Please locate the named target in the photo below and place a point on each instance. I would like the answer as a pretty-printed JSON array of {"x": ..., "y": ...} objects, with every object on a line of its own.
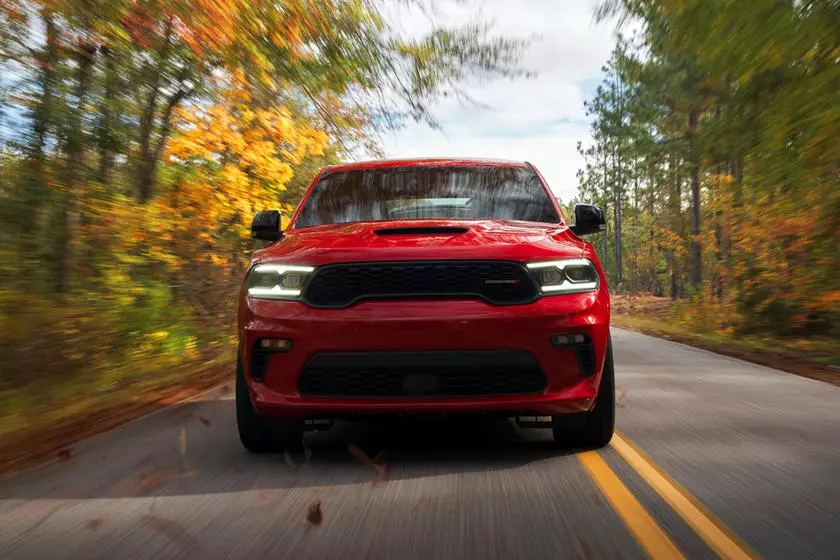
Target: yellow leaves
[
  {"x": 236, "y": 158},
  {"x": 285, "y": 219},
  {"x": 235, "y": 177},
  {"x": 262, "y": 143},
  {"x": 182, "y": 447},
  {"x": 279, "y": 40}
]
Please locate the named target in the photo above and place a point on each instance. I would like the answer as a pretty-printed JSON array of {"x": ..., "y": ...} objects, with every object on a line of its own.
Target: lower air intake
[{"x": 421, "y": 374}]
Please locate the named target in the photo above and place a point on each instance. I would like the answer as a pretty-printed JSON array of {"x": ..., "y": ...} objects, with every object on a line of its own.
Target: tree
[
  {"x": 731, "y": 115},
  {"x": 140, "y": 137}
]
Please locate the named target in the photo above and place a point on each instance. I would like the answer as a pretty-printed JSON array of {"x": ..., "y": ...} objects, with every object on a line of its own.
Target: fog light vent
[
  {"x": 583, "y": 348},
  {"x": 261, "y": 355},
  {"x": 275, "y": 344},
  {"x": 567, "y": 339}
]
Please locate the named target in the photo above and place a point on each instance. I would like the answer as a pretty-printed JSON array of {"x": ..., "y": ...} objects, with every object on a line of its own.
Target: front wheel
[
  {"x": 258, "y": 434},
  {"x": 593, "y": 429}
]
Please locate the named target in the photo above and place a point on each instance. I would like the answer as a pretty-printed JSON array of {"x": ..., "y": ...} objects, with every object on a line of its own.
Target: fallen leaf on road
[
  {"x": 622, "y": 396},
  {"x": 381, "y": 475},
  {"x": 204, "y": 420},
  {"x": 288, "y": 459},
  {"x": 182, "y": 446},
  {"x": 95, "y": 523},
  {"x": 361, "y": 456},
  {"x": 173, "y": 530},
  {"x": 315, "y": 515},
  {"x": 64, "y": 455},
  {"x": 381, "y": 470},
  {"x": 150, "y": 482}
]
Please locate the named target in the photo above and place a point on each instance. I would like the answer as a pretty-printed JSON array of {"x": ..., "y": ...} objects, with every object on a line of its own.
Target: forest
[
  {"x": 139, "y": 139},
  {"x": 715, "y": 152}
]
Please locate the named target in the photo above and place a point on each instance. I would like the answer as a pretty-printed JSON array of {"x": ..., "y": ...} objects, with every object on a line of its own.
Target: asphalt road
[{"x": 715, "y": 458}]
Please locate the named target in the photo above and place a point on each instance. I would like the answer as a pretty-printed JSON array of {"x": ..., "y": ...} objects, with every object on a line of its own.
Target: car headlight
[
  {"x": 566, "y": 276},
  {"x": 277, "y": 281}
]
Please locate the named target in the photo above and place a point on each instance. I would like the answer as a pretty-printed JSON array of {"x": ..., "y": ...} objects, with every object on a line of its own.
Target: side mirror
[
  {"x": 266, "y": 225},
  {"x": 588, "y": 219}
]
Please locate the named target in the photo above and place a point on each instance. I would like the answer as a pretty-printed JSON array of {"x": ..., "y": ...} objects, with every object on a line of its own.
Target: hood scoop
[{"x": 422, "y": 230}]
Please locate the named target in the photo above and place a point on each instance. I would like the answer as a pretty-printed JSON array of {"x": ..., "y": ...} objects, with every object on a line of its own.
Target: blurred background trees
[
  {"x": 139, "y": 138},
  {"x": 716, "y": 150}
]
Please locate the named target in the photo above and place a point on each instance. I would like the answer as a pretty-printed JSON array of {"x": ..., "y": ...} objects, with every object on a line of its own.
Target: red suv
[{"x": 431, "y": 286}]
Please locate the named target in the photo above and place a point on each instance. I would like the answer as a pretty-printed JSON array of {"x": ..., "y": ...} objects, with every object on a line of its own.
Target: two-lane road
[{"x": 714, "y": 458}]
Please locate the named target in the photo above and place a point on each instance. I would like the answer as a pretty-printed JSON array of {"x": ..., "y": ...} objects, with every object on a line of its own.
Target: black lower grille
[
  {"x": 498, "y": 282},
  {"x": 586, "y": 358},
  {"x": 421, "y": 374},
  {"x": 259, "y": 363}
]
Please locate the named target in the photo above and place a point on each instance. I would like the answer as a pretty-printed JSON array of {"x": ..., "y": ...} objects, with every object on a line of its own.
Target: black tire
[
  {"x": 593, "y": 429},
  {"x": 258, "y": 434}
]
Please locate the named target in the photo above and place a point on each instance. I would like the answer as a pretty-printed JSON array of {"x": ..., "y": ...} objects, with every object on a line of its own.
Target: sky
[{"x": 538, "y": 119}]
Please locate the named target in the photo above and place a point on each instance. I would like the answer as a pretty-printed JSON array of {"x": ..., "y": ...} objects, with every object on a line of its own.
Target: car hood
[{"x": 423, "y": 240}]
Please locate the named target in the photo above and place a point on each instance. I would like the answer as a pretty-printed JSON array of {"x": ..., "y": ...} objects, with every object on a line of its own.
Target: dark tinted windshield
[{"x": 414, "y": 192}]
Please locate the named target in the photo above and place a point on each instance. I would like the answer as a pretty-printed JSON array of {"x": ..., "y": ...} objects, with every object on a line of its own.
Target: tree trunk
[
  {"x": 636, "y": 191},
  {"x": 675, "y": 205},
  {"x": 604, "y": 262},
  {"x": 75, "y": 167},
  {"x": 719, "y": 256},
  {"x": 605, "y": 169},
  {"x": 106, "y": 137},
  {"x": 43, "y": 122},
  {"x": 651, "y": 206},
  {"x": 617, "y": 201},
  {"x": 147, "y": 167},
  {"x": 696, "y": 249}
]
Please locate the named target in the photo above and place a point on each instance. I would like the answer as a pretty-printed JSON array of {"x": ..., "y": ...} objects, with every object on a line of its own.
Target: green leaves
[{"x": 762, "y": 79}]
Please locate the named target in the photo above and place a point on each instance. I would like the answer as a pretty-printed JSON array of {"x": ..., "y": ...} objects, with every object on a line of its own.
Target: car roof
[{"x": 421, "y": 162}]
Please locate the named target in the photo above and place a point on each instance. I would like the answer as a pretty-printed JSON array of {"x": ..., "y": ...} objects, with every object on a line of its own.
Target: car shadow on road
[{"x": 194, "y": 449}]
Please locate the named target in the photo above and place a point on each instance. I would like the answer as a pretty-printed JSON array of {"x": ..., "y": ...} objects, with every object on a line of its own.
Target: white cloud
[{"x": 540, "y": 120}]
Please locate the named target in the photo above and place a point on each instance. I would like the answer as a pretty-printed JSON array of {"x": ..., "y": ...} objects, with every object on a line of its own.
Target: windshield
[{"x": 428, "y": 192}]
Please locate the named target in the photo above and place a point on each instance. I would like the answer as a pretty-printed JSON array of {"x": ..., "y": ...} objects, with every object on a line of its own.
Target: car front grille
[
  {"x": 497, "y": 282},
  {"x": 421, "y": 374}
]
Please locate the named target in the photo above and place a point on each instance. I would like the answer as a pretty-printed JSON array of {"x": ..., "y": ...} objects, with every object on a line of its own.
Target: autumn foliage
[
  {"x": 715, "y": 150},
  {"x": 138, "y": 139}
]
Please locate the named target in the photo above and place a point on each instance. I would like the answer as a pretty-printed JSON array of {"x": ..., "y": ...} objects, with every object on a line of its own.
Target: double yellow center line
[{"x": 647, "y": 532}]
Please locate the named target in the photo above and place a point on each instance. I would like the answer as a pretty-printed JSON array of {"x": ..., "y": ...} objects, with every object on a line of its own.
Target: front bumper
[{"x": 425, "y": 326}]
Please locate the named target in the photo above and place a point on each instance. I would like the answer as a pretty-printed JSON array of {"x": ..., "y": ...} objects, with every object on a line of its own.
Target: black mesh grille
[
  {"x": 421, "y": 374},
  {"x": 259, "y": 363},
  {"x": 498, "y": 282},
  {"x": 586, "y": 358}
]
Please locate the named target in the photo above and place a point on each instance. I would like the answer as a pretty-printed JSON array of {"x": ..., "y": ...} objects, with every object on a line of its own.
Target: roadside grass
[
  {"x": 46, "y": 415},
  {"x": 815, "y": 357}
]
